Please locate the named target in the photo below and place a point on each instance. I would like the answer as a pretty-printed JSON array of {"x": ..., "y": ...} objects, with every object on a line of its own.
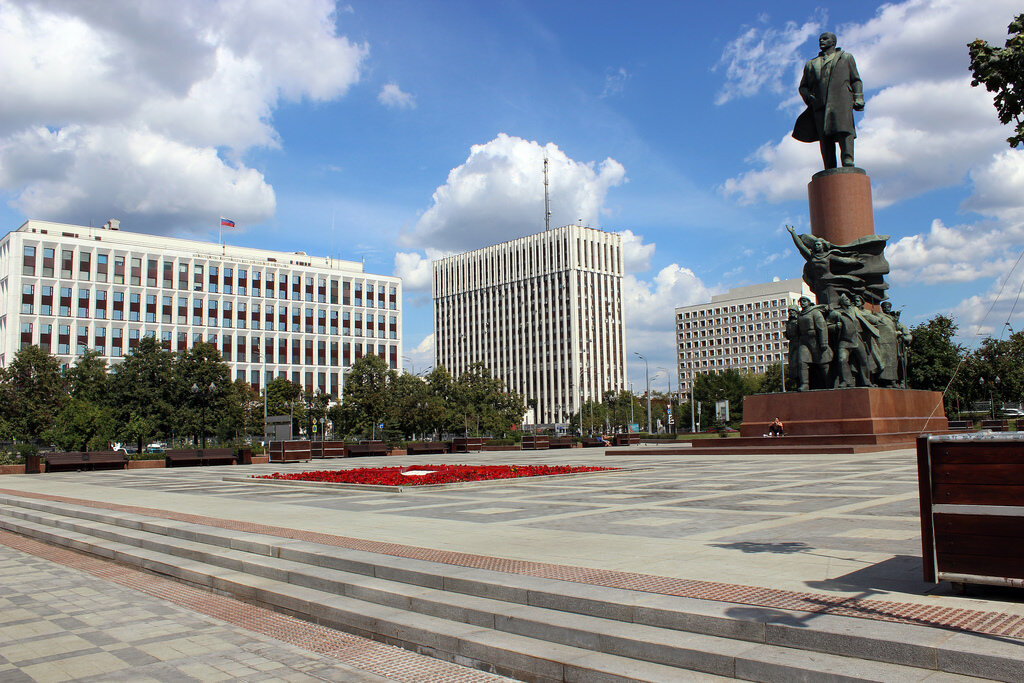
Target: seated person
[{"x": 776, "y": 428}]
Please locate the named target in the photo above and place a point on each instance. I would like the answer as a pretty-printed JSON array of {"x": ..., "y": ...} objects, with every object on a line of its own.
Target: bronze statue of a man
[
  {"x": 831, "y": 88},
  {"x": 812, "y": 350}
]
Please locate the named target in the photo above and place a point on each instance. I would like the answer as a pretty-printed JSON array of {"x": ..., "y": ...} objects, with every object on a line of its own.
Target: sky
[{"x": 396, "y": 132}]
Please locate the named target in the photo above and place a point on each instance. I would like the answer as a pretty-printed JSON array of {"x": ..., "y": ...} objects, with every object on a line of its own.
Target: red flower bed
[{"x": 419, "y": 475}]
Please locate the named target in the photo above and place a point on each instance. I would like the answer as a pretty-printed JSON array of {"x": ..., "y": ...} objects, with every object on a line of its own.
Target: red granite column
[{"x": 840, "y": 203}]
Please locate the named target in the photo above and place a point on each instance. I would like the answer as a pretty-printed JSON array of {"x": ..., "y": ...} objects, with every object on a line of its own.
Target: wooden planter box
[
  {"x": 462, "y": 444},
  {"x": 290, "y": 451},
  {"x": 972, "y": 508},
  {"x": 535, "y": 442},
  {"x": 145, "y": 464}
]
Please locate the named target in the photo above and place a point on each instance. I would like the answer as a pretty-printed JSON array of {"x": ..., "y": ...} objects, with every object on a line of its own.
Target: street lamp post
[
  {"x": 196, "y": 392},
  {"x": 670, "y": 416},
  {"x": 647, "y": 375},
  {"x": 992, "y": 386}
]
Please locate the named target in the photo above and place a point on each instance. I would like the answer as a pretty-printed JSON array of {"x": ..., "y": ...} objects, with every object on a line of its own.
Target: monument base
[
  {"x": 866, "y": 414},
  {"x": 836, "y": 421},
  {"x": 840, "y": 205}
]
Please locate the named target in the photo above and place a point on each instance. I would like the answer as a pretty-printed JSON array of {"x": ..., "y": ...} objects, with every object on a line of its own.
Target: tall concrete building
[
  {"x": 543, "y": 313},
  {"x": 742, "y": 329},
  {"x": 68, "y": 288}
]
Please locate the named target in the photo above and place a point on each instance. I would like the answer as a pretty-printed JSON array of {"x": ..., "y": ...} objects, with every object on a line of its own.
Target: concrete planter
[
  {"x": 397, "y": 451},
  {"x": 12, "y": 469},
  {"x": 145, "y": 464}
]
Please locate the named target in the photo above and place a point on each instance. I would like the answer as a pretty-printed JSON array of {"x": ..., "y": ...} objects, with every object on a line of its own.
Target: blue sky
[{"x": 417, "y": 129}]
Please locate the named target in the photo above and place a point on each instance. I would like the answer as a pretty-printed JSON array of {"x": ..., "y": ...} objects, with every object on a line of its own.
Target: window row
[
  {"x": 213, "y": 279},
  {"x": 116, "y": 341},
  {"x": 214, "y": 313}
]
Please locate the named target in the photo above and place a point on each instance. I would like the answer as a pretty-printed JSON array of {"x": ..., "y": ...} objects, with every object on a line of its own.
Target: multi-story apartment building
[
  {"x": 741, "y": 329},
  {"x": 68, "y": 288},
  {"x": 543, "y": 313}
]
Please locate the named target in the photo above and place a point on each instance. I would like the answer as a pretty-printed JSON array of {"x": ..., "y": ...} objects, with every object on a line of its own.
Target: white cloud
[
  {"x": 763, "y": 58},
  {"x": 615, "y": 82},
  {"x": 498, "y": 195},
  {"x": 636, "y": 256},
  {"x": 924, "y": 127},
  {"x": 416, "y": 270},
  {"x": 649, "y": 309},
  {"x": 422, "y": 355},
  {"x": 393, "y": 97},
  {"x": 961, "y": 253},
  {"x": 162, "y": 98}
]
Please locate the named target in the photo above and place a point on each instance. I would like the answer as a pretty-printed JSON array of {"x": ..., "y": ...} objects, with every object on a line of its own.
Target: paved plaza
[{"x": 756, "y": 529}]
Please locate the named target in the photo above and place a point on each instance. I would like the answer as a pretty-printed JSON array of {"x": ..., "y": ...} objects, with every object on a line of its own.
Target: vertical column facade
[{"x": 543, "y": 313}]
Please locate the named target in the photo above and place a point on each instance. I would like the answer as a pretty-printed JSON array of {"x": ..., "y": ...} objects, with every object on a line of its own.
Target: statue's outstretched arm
[{"x": 800, "y": 246}]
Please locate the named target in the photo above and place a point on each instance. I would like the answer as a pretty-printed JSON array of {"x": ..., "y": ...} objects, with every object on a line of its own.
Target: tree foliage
[
  {"x": 1001, "y": 71},
  {"x": 35, "y": 391}
]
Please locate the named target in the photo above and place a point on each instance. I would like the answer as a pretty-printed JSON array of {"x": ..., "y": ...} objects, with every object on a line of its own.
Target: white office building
[
  {"x": 543, "y": 313},
  {"x": 68, "y": 288},
  {"x": 742, "y": 329}
]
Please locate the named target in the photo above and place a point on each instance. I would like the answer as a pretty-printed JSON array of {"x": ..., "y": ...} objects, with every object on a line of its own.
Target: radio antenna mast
[{"x": 547, "y": 202}]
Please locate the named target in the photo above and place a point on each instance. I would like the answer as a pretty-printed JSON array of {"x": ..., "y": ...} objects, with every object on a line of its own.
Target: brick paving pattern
[
  {"x": 66, "y": 616},
  {"x": 719, "y": 481}
]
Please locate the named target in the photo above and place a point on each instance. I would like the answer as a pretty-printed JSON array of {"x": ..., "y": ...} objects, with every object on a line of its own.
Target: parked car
[{"x": 1012, "y": 412}]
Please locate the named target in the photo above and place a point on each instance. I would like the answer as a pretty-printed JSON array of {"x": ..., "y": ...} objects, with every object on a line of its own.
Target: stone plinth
[
  {"x": 862, "y": 414},
  {"x": 840, "y": 204}
]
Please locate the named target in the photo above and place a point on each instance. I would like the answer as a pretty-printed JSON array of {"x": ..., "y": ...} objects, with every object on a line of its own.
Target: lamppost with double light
[
  {"x": 992, "y": 386},
  {"x": 197, "y": 392},
  {"x": 647, "y": 375}
]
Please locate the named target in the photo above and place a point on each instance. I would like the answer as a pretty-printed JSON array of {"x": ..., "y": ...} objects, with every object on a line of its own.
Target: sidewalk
[{"x": 824, "y": 533}]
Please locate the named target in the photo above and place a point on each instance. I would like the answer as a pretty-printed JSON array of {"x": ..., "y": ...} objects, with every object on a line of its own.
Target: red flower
[{"x": 435, "y": 474}]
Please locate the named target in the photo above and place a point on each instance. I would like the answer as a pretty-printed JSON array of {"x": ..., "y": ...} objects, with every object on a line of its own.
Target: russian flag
[{"x": 226, "y": 222}]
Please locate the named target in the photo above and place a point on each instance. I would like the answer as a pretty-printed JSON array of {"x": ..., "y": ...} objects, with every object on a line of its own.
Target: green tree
[
  {"x": 933, "y": 356},
  {"x": 1001, "y": 71},
  {"x": 250, "y": 405},
  {"x": 484, "y": 404},
  {"x": 367, "y": 400},
  {"x": 731, "y": 385},
  {"x": 281, "y": 396},
  {"x": 35, "y": 392},
  {"x": 89, "y": 380},
  {"x": 204, "y": 392},
  {"x": 314, "y": 408},
  {"x": 83, "y": 425},
  {"x": 144, "y": 393}
]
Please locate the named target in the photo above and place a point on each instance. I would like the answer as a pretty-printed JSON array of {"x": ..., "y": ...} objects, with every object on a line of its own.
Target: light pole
[
  {"x": 647, "y": 374},
  {"x": 992, "y": 386},
  {"x": 631, "y": 418},
  {"x": 411, "y": 363},
  {"x": 196, "y": 392},
  {"x": 669, "y": 415}
]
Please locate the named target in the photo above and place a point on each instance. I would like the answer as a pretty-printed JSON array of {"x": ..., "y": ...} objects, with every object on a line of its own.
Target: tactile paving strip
[
  {"x": 954, "y": 618},
  {"x": 361, "y": 653}
]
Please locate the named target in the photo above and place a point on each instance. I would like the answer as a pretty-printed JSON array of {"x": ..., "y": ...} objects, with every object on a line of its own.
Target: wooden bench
[
  {"x": 462, "y": 444},
  {"x": 533, "y": 442},
  {"x": 626, "y": 440},
  {"x": 959, "y": 425},
  {"x": 995, "y": 425},
  {"x": 182, "y": 457},
  {"x": 366, "y": 448},
  {"x": 417, "y": 447},
  {"x": 78, "y": 460},
  {"x": 290, "y": 451},
  {"x": 217, "y": 456},
  {"x": 328, "y": 449},
  {"x": 560, "y": 442},
  {"x": 972, "y": 508}
]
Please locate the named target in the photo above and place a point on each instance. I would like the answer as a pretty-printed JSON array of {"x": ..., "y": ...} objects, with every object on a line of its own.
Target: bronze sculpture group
[
  {"x": 846, "y": 345},
  {"x": 851, "y": 337}
]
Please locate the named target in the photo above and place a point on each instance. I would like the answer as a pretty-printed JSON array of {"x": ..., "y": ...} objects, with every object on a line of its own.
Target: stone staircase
[{"x": 529, "y": 628}]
